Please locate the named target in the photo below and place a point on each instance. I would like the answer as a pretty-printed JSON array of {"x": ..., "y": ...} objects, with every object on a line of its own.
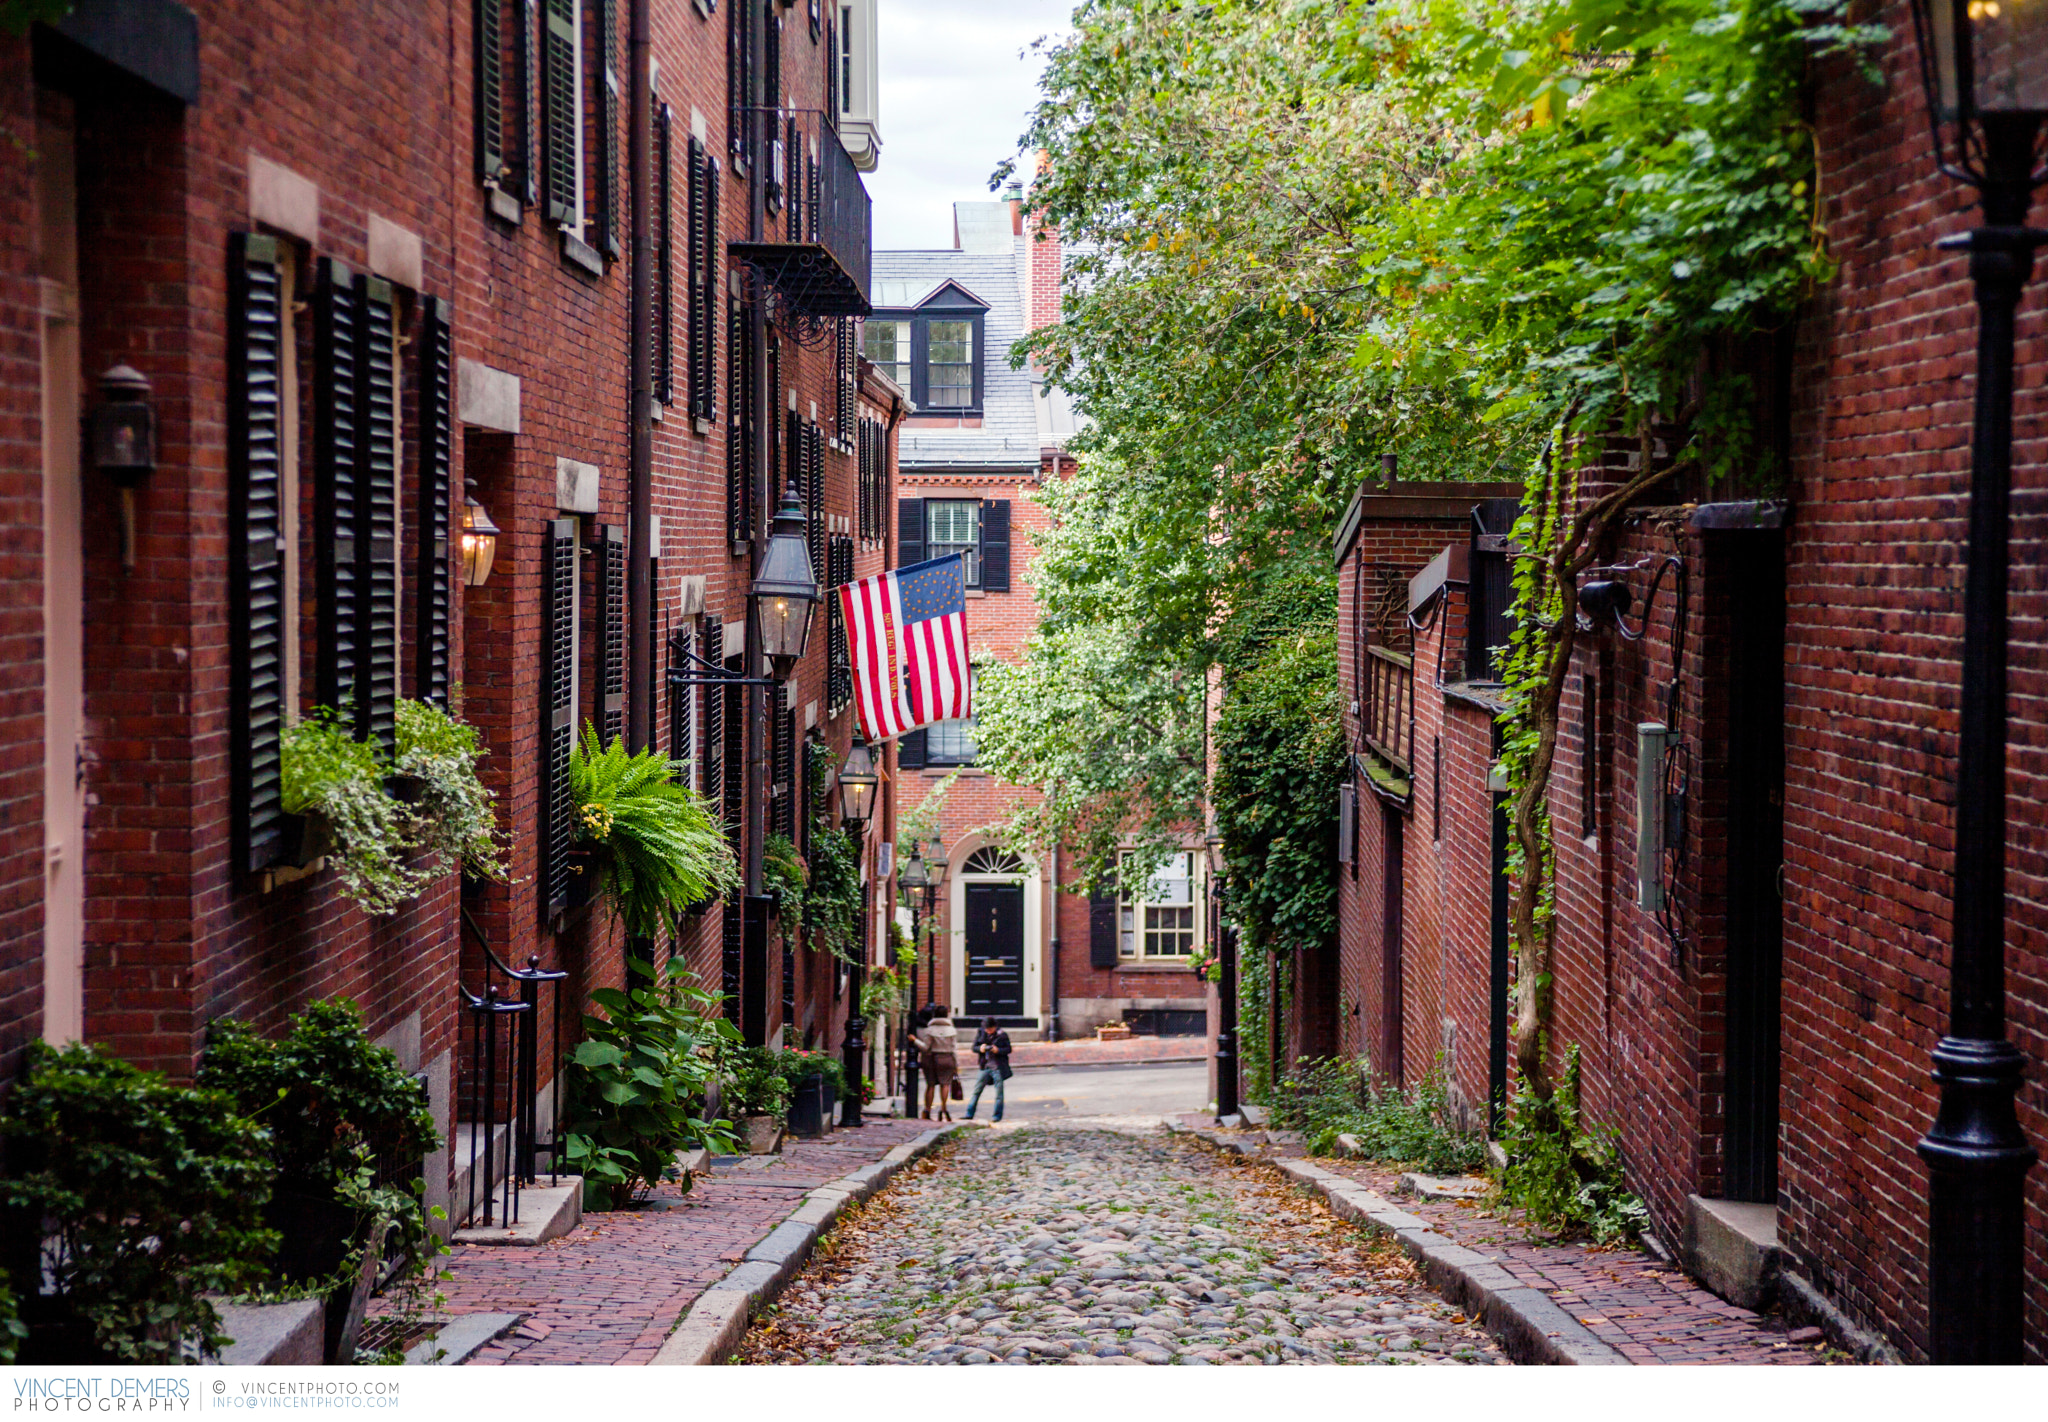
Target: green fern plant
[{"x": 660, "y": 849}]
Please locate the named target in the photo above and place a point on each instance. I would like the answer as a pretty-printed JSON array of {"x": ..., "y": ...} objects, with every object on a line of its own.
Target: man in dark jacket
[{"x": 992, "y": 1052}]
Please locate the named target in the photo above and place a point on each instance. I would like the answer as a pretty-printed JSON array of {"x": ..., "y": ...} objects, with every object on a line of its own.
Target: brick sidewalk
[
  {"x": 1648, "y": 1311},
  {"x": 610, "y": 1290}
]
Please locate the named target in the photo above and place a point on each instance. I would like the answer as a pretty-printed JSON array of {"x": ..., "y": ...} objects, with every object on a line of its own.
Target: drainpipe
[{"x": 640, "y": 463}]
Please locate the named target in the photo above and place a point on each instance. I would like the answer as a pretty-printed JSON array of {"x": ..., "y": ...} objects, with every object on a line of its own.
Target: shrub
[
  {"x": 11, "y": 1329},
  {"x": 1333, "y": 1097},
  {"x": 758, "y": 1084},
  {"x": 328, "y": 773},
  {"x": 1566, "y": 1173},
  {"x": 154, "y": 1192},
  {"x": 637, "y": 1083},
  {"x": 660, "y": 851}
]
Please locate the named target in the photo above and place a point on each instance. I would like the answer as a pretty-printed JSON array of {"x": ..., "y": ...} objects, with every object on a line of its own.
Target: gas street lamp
[
  {"x": 857, "y": 782},
  {"x": 785, "y": 595},
  {"x": 1226, "y": 987},
  {"x": 1985, "y": 66}
]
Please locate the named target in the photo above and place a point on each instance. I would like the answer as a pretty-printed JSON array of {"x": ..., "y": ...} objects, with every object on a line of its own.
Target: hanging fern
[{"x": 660, "y": 849}]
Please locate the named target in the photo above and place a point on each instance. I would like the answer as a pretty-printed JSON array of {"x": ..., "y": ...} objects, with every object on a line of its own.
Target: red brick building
[
  {"x": 1757, "y": 982},
  {"x": 367, "y": 278},
  {"x": 983, "y": 440}
]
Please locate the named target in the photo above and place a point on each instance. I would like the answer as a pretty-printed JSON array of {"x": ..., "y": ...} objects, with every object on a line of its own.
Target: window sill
[
  {"x": 580, "y": 254},
  {"x": 502, "y": 205},
  {"x": 1183, "y": 966}
]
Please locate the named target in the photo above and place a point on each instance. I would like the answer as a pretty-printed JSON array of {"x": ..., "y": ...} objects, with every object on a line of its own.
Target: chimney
[
  {"x": 1042, "y": 254},
  {"x": 1014, "y": 196}
]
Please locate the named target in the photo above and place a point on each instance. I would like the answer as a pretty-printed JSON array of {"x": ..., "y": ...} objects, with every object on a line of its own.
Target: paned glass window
[
  {"x": 887, "y": 344},
  {"x": 954, "y": 526},
  {"x": 1162, "y": 922},
  {"x": 950, "y": 742},
  {"x": 949, "y": 367}
]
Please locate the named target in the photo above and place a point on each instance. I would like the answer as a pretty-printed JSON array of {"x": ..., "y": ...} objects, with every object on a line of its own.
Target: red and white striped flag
[{"x": 907, "y": 630}]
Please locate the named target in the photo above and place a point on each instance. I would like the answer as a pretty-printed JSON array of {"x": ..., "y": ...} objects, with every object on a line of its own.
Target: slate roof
[{"x": 1008, "y": 438}]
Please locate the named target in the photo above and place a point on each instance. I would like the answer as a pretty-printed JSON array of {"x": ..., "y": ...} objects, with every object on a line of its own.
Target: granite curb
[
  {"x": 717, "y": 1321},
  {"x": 1530, "y": 1326}
]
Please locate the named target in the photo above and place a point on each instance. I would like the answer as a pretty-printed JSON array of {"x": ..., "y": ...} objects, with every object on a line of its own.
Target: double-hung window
[
  {"x": 954, "y": 526},
  {"x": 1161, "y": 921},
  {"x": 950, "y": 742},
  {"x": 949, "y": 365},
  {"x": 887, "y": 344},
  {"x": 934, "y": 351}
]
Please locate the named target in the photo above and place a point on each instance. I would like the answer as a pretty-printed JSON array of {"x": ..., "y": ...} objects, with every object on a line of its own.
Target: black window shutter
[
  {"x": 682, "y": 747},
  {"x": 558, "y": 712},
  {"x": 733, "y": 722},
  {"x": 739, "y": 440},
  {"x": 781, "y": 763},
  {"x": 376, "y": 699},
  {"x": 739, "y": 74},
  {"x": 559, "y": 127},
  {"x": 814, "y": 501},
  {"x": 704, "y": 267},
  {"x": 714, "y": 716},
  {"x": 490, "y": 90},
  {"x": 335, "y": 498},
  {"x": 995, "y": 545},
  {"x": 611, "y": 623},
  {"x": 1102, "y": 926},
  {"x": 839, "y": 672},
  {"x": 665, "y": 259},
  {"x": 433, "y": 596},
  {"x": 257, "y": 332},
  {"x": 526, "y": 66},
  {"x": 610, "y": 104},
  {"x": 909, "y": 532},
  {"x": 910, "y": 750}
]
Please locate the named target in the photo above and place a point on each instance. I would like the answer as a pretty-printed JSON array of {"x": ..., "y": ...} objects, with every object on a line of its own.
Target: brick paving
[
  {"x": 1645, "y": 1309},
  {"x": 610, "y": 1290}
]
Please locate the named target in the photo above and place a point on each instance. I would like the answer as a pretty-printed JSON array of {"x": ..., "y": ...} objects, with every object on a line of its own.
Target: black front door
[{"x": 995, "y": 950}]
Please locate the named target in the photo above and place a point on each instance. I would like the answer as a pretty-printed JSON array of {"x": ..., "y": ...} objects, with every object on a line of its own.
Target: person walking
[
  {"x": 942, "y": 1068},
  {"x": 992, "y": 1054}
]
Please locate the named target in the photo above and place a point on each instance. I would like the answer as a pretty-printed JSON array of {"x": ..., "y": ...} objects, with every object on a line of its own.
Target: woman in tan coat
[{"x": 941, "y": 1067}]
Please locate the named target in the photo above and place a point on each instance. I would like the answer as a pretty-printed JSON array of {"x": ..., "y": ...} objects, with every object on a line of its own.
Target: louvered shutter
[
  {"x": 256, "y": 335},
  {"x": 832, "y": 73},
  {"x": 490, "y": 90},
  {"x": 733, "y": 723},
  {"x": 910, "y": 750},
  {"x": 610, "y": 104},
  {"x": 611, "y": 624},
  {"x": 559, "y": 126},
  {"x": 815, "y": 531},
  {"x": 847, "y": 411},
  {"x": 376, "y": 698},
  {"x": 713, "y": 783},
  {"x": 739, "y": 440},
  {"x": 781, "y": 754},
  {"x": 909, "y": 532},
  {"x": 703, "y": 263},
  {"x": 336, "y": 500},
  {"x": 682, "y": 701},
  {"x": 995, "y": 545},
  {"x": 527, "y": 65},
  {"x": 739, "y": 73},
  {"x": 558, "y": 711},
  {"x": 1102, "y": 929},
  {"x": 665, "y": 260},
  {"x": 839, "y": 673},
  {"x": 782, "y": 444},
  {"x": 433, "y": 594}
]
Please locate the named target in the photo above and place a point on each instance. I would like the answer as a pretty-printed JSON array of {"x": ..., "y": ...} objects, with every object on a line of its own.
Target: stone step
[{"x": 545, "y": 1212}]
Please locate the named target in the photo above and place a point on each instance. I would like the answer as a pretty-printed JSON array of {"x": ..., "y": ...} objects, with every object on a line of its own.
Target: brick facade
[{"x": 365, "y": 152}]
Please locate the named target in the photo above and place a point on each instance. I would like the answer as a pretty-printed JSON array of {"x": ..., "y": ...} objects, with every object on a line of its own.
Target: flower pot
[
  {"x": 761, "y": 1135},
  {"x": 807, "y": 1108},
  {"x": 583, "y": 876},
  {"x": 303, "y": 839}
]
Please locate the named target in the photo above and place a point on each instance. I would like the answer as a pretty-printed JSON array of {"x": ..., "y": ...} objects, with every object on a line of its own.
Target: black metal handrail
[
  {"x": 523, "y": 1061},
  {"x": 818, "y": 246},
  {"x": 485, "y": 1011}
]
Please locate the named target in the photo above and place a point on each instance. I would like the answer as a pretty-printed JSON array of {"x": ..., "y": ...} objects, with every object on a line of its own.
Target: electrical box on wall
[{"x": 1653, "y": 738}]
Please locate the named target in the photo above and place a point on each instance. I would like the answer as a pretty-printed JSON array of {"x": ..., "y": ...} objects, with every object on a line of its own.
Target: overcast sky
[{"x": 955, "y": 94}]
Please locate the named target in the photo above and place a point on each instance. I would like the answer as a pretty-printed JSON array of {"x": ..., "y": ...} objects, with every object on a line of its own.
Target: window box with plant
[{"x": 655, "y": 850}]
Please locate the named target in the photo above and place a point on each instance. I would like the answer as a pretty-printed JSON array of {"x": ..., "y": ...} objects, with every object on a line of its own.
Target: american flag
[{"x": 908, "y": 632}]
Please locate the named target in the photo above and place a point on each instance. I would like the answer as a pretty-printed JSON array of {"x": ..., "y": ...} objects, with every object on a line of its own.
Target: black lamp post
[
  {"x": 1985, "y": 64},
  {"x": 935, "y": 875},
  {"x": 912, "y": 880},
  {"x": 857, "y": 782},
  {"x": 1226, "y": 987}
]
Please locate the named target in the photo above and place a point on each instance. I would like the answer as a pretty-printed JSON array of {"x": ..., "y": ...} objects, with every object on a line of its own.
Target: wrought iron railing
[
  {"x": 504, "y": 1027},
  {"x": 1389, "y": 707},
  {"x": 817, "y": 248}
]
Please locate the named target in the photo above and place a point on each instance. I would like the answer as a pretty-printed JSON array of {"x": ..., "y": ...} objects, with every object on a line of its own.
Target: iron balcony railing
[
  {"x": 817, "y": 246},
  {"x": 1390, "y": 707}
]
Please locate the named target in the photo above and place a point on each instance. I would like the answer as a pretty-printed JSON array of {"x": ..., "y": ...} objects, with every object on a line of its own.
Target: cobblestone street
[{"x": 1083, "y": 1244}]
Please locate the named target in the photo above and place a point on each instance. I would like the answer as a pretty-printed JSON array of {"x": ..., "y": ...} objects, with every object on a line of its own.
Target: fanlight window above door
[{"x": 991, "y": 860}]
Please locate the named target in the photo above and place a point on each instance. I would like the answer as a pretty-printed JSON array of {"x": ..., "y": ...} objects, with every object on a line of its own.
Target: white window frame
[{"x": 1134, "y": 925}]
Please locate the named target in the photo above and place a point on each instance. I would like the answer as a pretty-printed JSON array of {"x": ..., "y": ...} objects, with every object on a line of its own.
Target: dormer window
[{"x": 934, "y": 351}]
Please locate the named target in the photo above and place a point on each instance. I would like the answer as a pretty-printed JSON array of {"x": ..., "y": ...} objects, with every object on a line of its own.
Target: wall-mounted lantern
[
  {"x": 479, "y": 538},
  {"x": 120, "y": 435},
  {"x": 857, "y": 781},
  {"x": 785, "y": 594}
]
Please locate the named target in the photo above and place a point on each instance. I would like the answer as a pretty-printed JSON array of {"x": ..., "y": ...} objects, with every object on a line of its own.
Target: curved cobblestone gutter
[{"x": 1106, "y": 1247}]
